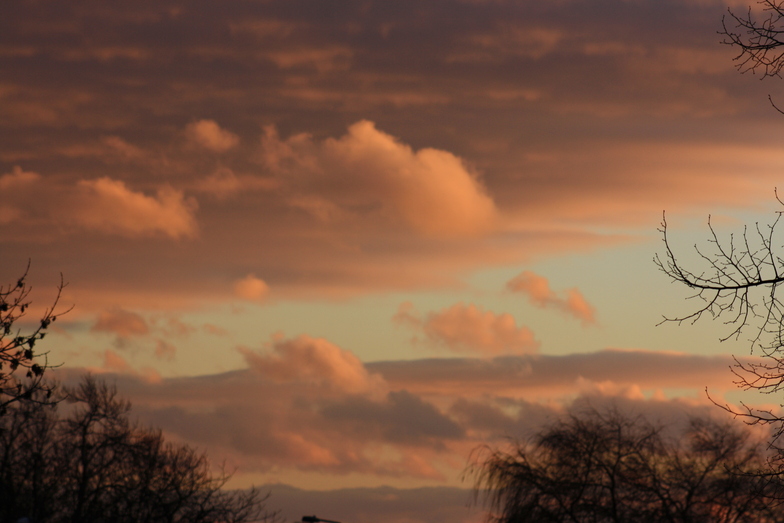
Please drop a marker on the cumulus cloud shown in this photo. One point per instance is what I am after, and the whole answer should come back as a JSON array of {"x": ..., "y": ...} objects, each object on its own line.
[
  {"x": 210, "y": 135},
  {"x": 468, "y": 328},
  {"x": 251, "y": 288},
  {"x": 108, "y": 206},
  {"x": 125, "y": 324},
  {"x": 431, "y": 190},
  {"x": 315, "y": 360},
  {"x": 100, "y": 204},
  {"x": 539, "y": 293}
]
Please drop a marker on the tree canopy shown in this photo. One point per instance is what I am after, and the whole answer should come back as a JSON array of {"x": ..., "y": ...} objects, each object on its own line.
[
  {"x": 607, "y": 467},
  {"x": 92, "y": 463}
]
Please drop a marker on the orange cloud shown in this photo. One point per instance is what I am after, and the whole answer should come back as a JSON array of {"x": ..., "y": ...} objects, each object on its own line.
[
  {"x": 107, "y": 205},
  {"x": 100, "y": 204},
  {"x": 467, "y": 328},
  {"x": 210, "y": 135},
  {"x": 539, "y": 293},
  {"x": 433, "y": 191},
  {"x": 113, "y": 362},
  {"x": 123, "y": 323},
  {"x": 314, "y": 360},
  {"x": 251, "y": 288},
  {"x": 116, "y": 364}
]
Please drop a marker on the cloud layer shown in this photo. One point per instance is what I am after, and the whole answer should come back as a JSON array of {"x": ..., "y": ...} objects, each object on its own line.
[
  {"x": 305, "y": 405},
  {"x": 321, "y": 155},
  {"x": 203, "y": 172}
]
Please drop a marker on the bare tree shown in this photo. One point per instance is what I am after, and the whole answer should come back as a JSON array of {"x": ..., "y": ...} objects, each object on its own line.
[
  {"x": 738, "y": 280},
  {"x": 22, "y": 366},
  {"x": 758, "y": 36},
  {"x": 606, "y": 467},
  {"x": 94, "y": 464}
]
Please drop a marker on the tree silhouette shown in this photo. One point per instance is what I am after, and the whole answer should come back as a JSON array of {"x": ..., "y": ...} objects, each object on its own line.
[
  {"x": 759, "y": 37},
  {"x": 738, "y": 280},
  {"x": 605, "y": 467},
  {"x": 95, "y": 465},
  {"x": 22, "y": 367}
]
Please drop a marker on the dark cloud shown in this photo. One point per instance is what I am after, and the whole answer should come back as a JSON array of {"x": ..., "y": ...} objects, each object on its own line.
[
  {"x": 648, "y": 369},
  {"x": 401, "y": 418},
  {"x": 434, "y": 413}
]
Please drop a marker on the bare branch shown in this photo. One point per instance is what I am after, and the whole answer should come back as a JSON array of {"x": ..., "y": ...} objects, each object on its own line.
[
  {"x": 737, "y": 285},
  {"x": 22, "y": 365},
  {"x": 758, "y": 38}
]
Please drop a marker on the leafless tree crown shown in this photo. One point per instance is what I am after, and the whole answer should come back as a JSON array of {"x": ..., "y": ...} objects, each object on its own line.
[
  {"x": 737, "y": 279},
  {"x": 758, "y": 36},
  {"x": 96, "y": 465}
]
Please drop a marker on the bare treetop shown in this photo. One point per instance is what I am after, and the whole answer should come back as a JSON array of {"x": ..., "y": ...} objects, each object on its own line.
[
  {"x": 759, "y": 37},
  {"x": 737, "y": 282}
]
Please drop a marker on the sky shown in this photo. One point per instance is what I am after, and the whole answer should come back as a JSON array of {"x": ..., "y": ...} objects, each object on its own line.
[{"x": 339, "y": 245}]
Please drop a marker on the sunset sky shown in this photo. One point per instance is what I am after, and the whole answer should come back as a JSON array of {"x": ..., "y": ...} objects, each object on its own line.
[{"x": 340, "y": 244}]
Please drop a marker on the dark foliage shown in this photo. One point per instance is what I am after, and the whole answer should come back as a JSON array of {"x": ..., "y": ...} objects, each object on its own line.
[
  {"x": 609, "y": 468},
  {"x": 92, "y": 464}
]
